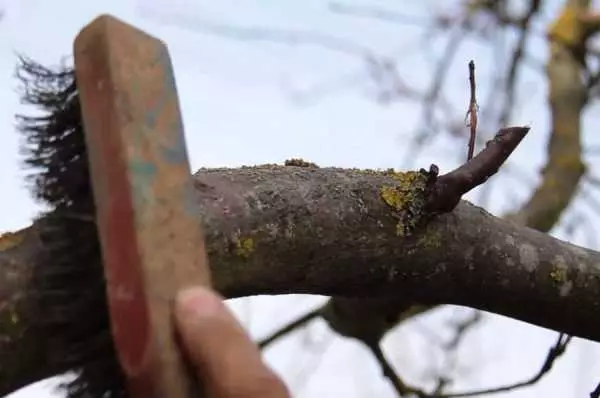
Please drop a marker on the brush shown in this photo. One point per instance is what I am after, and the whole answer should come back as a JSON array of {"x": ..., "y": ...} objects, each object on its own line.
[{"x": 121, "y": 234}]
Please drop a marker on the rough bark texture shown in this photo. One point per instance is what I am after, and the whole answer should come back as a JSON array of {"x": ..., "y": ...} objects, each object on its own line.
[
  {"x": 329, "y": 232},
  {"x": 279, "y": 230},
  {"x": 276, "y": 230}
]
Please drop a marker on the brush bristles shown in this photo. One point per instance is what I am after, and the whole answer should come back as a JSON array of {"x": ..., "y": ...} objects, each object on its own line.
[{"x": 68, "y": 280}]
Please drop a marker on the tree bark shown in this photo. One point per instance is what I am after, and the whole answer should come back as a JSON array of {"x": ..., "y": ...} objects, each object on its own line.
[{"x": 280, "y": 230}]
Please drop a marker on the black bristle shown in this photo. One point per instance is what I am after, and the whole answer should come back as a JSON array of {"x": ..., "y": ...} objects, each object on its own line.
[{"x": 67, "y": 281}]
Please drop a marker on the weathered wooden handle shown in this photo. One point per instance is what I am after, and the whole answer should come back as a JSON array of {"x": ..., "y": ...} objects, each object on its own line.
[{"x": 152, "y": 243}]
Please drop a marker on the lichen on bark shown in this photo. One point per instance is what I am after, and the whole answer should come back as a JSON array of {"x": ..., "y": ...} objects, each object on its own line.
[
  {"x": 244, "y": 246},
  {"x": 407, "y": 199}
]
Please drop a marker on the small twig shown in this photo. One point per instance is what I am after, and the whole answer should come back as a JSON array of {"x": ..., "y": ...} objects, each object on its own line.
[
  {"x": 402, "y": 389},
  {"x": 461, "y": 329},
  {"x": 555, "y": 351},
  {"x": 441, "y": 384},
  {"x": 449, "y": 188},
  {"x": 472, "y": 111},
  {"x": 291, "y": 327}
]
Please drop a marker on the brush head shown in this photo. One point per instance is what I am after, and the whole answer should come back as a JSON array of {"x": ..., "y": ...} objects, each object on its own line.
[
  {"x": 122, "y": 233},
  {"x": 67, "y": 275}
]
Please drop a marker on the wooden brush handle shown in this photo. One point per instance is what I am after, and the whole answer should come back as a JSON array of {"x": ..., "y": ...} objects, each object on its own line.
[{"x": 152, "y": 244}]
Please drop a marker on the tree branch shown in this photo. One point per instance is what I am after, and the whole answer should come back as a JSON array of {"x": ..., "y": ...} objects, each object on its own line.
[
  {"x": 567, "y": 98},
  {"x": 329, "y": 231},
  {"x": 279, "y": 230}
]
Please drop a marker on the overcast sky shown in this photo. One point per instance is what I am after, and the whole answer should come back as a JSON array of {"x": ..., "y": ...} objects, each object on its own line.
[{"x": 250, "y": 101}]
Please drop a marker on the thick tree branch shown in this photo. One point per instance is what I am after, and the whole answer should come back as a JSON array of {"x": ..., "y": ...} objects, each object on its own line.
[
  {"x": 278, "y": 230},
  {"x": 275, "y": 230},
  {"x": 327, "y": 231}
]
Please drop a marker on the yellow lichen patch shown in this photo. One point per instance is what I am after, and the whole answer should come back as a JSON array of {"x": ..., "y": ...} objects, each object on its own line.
[
  {"x": 406, "y": 198},
  {"x": 8, "y": 240},
  {"x": 392, "y": 197},
  {"x": 431, "y": 239},
  {"x": 401, "y": 229},
  {"x": 409, "y": 184},
  {"x": 244, "y": 247},
  {"x": 559, "y": 275},
  {"x": 567, "y": 28}
]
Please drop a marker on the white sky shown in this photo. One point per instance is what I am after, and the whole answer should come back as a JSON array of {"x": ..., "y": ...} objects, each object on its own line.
[{"x": 237, "y": 103}]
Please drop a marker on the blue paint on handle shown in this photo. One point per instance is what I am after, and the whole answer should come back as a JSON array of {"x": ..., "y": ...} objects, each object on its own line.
[
  {"x": 142, "y": 174},
  {"x": 174, "y": 151}
]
